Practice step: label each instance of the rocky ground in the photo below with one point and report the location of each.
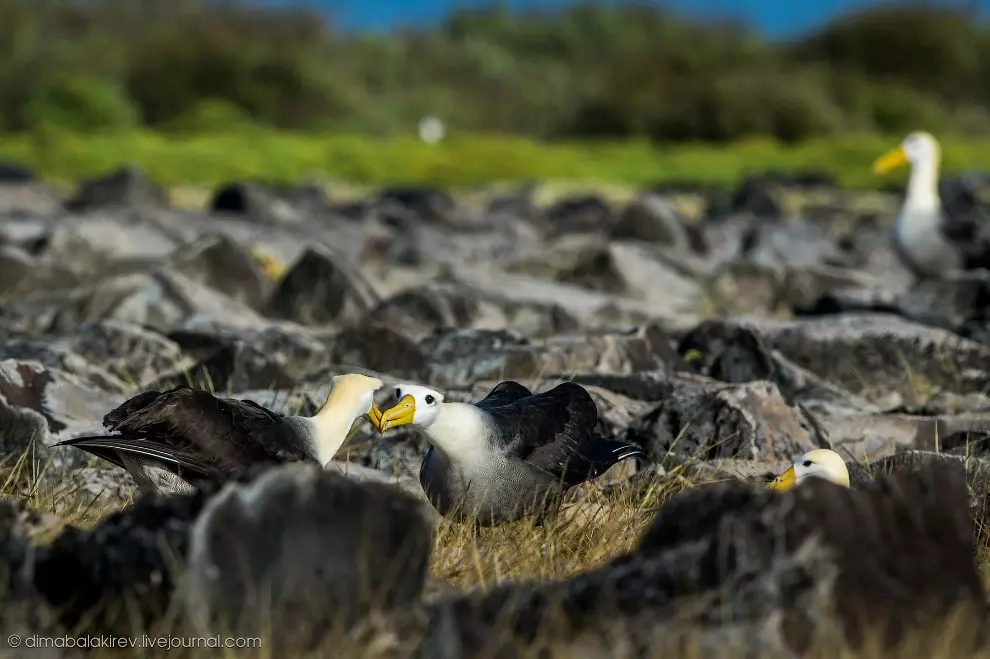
(724, 331)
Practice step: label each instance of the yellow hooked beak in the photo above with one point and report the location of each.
(890, 160)
(784, 482)
(399, 415)
(375, 415)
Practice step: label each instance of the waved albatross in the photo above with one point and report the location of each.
(170, 441)
(511, 454)
(819, 463)
(928, 240)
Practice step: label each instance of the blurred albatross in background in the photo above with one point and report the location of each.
(930, 241)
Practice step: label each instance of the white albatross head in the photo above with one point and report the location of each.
(418, 405)
(919, 149)
(457, 430)
(819, 463)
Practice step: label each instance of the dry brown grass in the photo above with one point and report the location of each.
(589, 531)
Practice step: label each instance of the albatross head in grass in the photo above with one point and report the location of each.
(820, 463)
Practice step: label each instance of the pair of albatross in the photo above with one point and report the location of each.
(929, 239)
(511, 454)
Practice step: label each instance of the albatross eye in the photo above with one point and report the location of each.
(807, 463)
(429, 399)
(398, 393)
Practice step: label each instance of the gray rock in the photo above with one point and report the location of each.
(97, 580)
(55, 354)
(700, 419)
(745, 287)
(869, 436)
(379, 347)
(319, 290)
(133, 354)
(162, 300)
(15, 268)
(256, 202)
(304, 549)
(273, 357)
(422, 309)
(126, 187)
(741, 355)
(90, 244)
(871, 353)
(28, 199)
(653, 219)
(65, 403)
(626, 269)
(592, 309)
(15, 553)
(583, 214)
(956, 302)
(223, 264)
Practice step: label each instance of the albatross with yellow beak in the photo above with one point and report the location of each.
(819, 463)
(511, 454)
(930, 242)
(169, 441)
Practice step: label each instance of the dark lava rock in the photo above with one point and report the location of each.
(273, 357)
(227, 266)
(16, 266)
(299, 550)
(651, 218)
(756, 195)
(264, 204)
(36, 401)
(579, 215)
(379, 347)
(127, 187)
(743, 355)
(696, 418)
(121, 568)
(870, 353)
(428, 205)
(421, 310)
(15, 553)
(319, 290)
(129, 351)
(12, 172)
(518, 203)
(764, 573)
(956, 302)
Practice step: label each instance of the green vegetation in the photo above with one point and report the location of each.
(463, 160)
(198, 92)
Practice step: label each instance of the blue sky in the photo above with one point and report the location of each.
(775, 18)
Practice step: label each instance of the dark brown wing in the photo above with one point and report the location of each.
(503, 393)
(555, 431)
(223, 433)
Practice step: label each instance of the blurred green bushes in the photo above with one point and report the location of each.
(188, 66)
(207, 159)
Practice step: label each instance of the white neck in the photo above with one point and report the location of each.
(459, 432)
(330, 428)
(922, 190)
